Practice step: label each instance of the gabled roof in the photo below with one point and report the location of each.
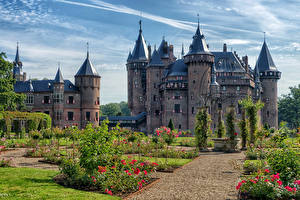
(87, 68)
(140, 51)
(155, 59)
(265, 61)
(58, 77)
(227, 62)
(198, 45)
(41, 86)
(178, 68)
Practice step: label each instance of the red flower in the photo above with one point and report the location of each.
(275, 176)
(126, 171)
(137, 171)
(267, 171)
(129, 174)
(279, 183)
(289, 188)
(239, 186)
(145, 172)
(123, 162)
(267, 180)
(142, 164)
(157, 132)
(143, 181)
(253, 181)
(101, 169)
(154, 164)
(108, 192)
(113, 167)
(297, 182)
(235, 133)
(243, 181)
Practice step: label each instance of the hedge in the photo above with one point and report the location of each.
(33, 121)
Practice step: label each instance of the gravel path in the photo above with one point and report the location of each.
(210, 177)
(18, 159)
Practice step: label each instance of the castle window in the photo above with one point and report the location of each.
(219, 105)
(177, 97)
(156, 112)
(70, 100)
(70, 116)
(268, 114)
(58, 97)
(88, 116)
(193, 110)
(96, 115)
(58, 115)
(98, 101)
(29, 99)
(141, 99)
(179, 126)
(46, 100)
(135, 83)
(154, 98)
(47, 112)
(194, 81)
(161, 107)
(177, 108)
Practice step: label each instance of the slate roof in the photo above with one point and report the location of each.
(58, 77)
(42, 86)
(140, 51)
(178, 68)
(163, 49)
(198, 45)
(265, 61)
(155, 59)
(129, 57)
(125, 118)
(227, 62)
(87, 68)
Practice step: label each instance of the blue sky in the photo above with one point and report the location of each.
(52, 31)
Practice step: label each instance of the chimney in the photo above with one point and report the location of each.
(24, 76)
(149, 51)
(224, 47)
(171, 53)
(245, 60)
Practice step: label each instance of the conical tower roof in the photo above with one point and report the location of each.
(198, 45)
(163, 49)
(140, 51)
(58, 77)
(265, 61)
(155, 59)
(87, 68)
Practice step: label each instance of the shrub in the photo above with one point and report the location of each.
(202, 128)
(167, 134)
(251, 166)
(47, 133)
(286, 162)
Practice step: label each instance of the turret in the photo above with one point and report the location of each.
(136, 72)
(199, 61)
(58, 99)
(87, 80)
(17, 69)
(268, 75)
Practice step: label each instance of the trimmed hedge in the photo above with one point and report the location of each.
(33, 121)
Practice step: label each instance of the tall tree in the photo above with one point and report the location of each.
(9, 100)
(221, 126)
(202, 128)
(171, 125)
(289, 107)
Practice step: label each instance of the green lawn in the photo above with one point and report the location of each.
(28, 183)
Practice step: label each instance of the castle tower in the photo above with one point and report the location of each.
(87, 80)
(58, 99)
(269, 75)
(17, 69)
(199, 61)
(153, 103)
(136, 73)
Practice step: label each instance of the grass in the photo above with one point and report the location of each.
(28, 183)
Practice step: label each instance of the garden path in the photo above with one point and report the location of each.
(18, 159)
(212, 176)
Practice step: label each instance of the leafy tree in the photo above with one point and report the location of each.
(230, 118)
(251, 111)
(221, 126)
(243, 125)
(202, 128)
(115, 109)
(9, 100)
(289, 107)
(171, 125)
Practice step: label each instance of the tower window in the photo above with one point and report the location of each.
(58, 114)
(268, 114)
(47, 112)
(71, 100)
(154, 98)
(96, 115)
(193, 110)
(29, 99)
(88, 116)
(156, 112)
(70, 116)
(179, 126)
(194, 81)
(98, 101)
(177, 108)
(46, 99)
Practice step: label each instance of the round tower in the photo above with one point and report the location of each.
(199, 61)
(136, 73)
(87, 80)
(268, 75)
(58, 99)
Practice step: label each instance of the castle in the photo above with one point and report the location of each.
(66, 103)
(165, 87)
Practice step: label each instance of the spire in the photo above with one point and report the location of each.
(17, 61)
(182, 51)
(140, 51)
(198, 45)
(214, 75)
(265, 61)
(87, 49)
(264, 36)
(129, 57)
(58, 77)
(87, 68)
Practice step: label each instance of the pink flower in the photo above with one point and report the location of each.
(154, 164)
(123, 162)
(113, 167)
(239, 186)
(297, 182)
(289, 188)
(267, 180)
(267, 171)
(275, 176)
(142, 164)
(137, 171)
(253, 181)
(235, 133)
(3, 139)
(108, 192)
(145, 172)
(279, 183)
(129, 174)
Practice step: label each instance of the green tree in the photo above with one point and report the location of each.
(230, 118)
(289, 107)
(124, 108)
(202, 128)
(171, 125)
(251, 111)
(243, 125)
(9, 100)
(221, 126)
(111, 109)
